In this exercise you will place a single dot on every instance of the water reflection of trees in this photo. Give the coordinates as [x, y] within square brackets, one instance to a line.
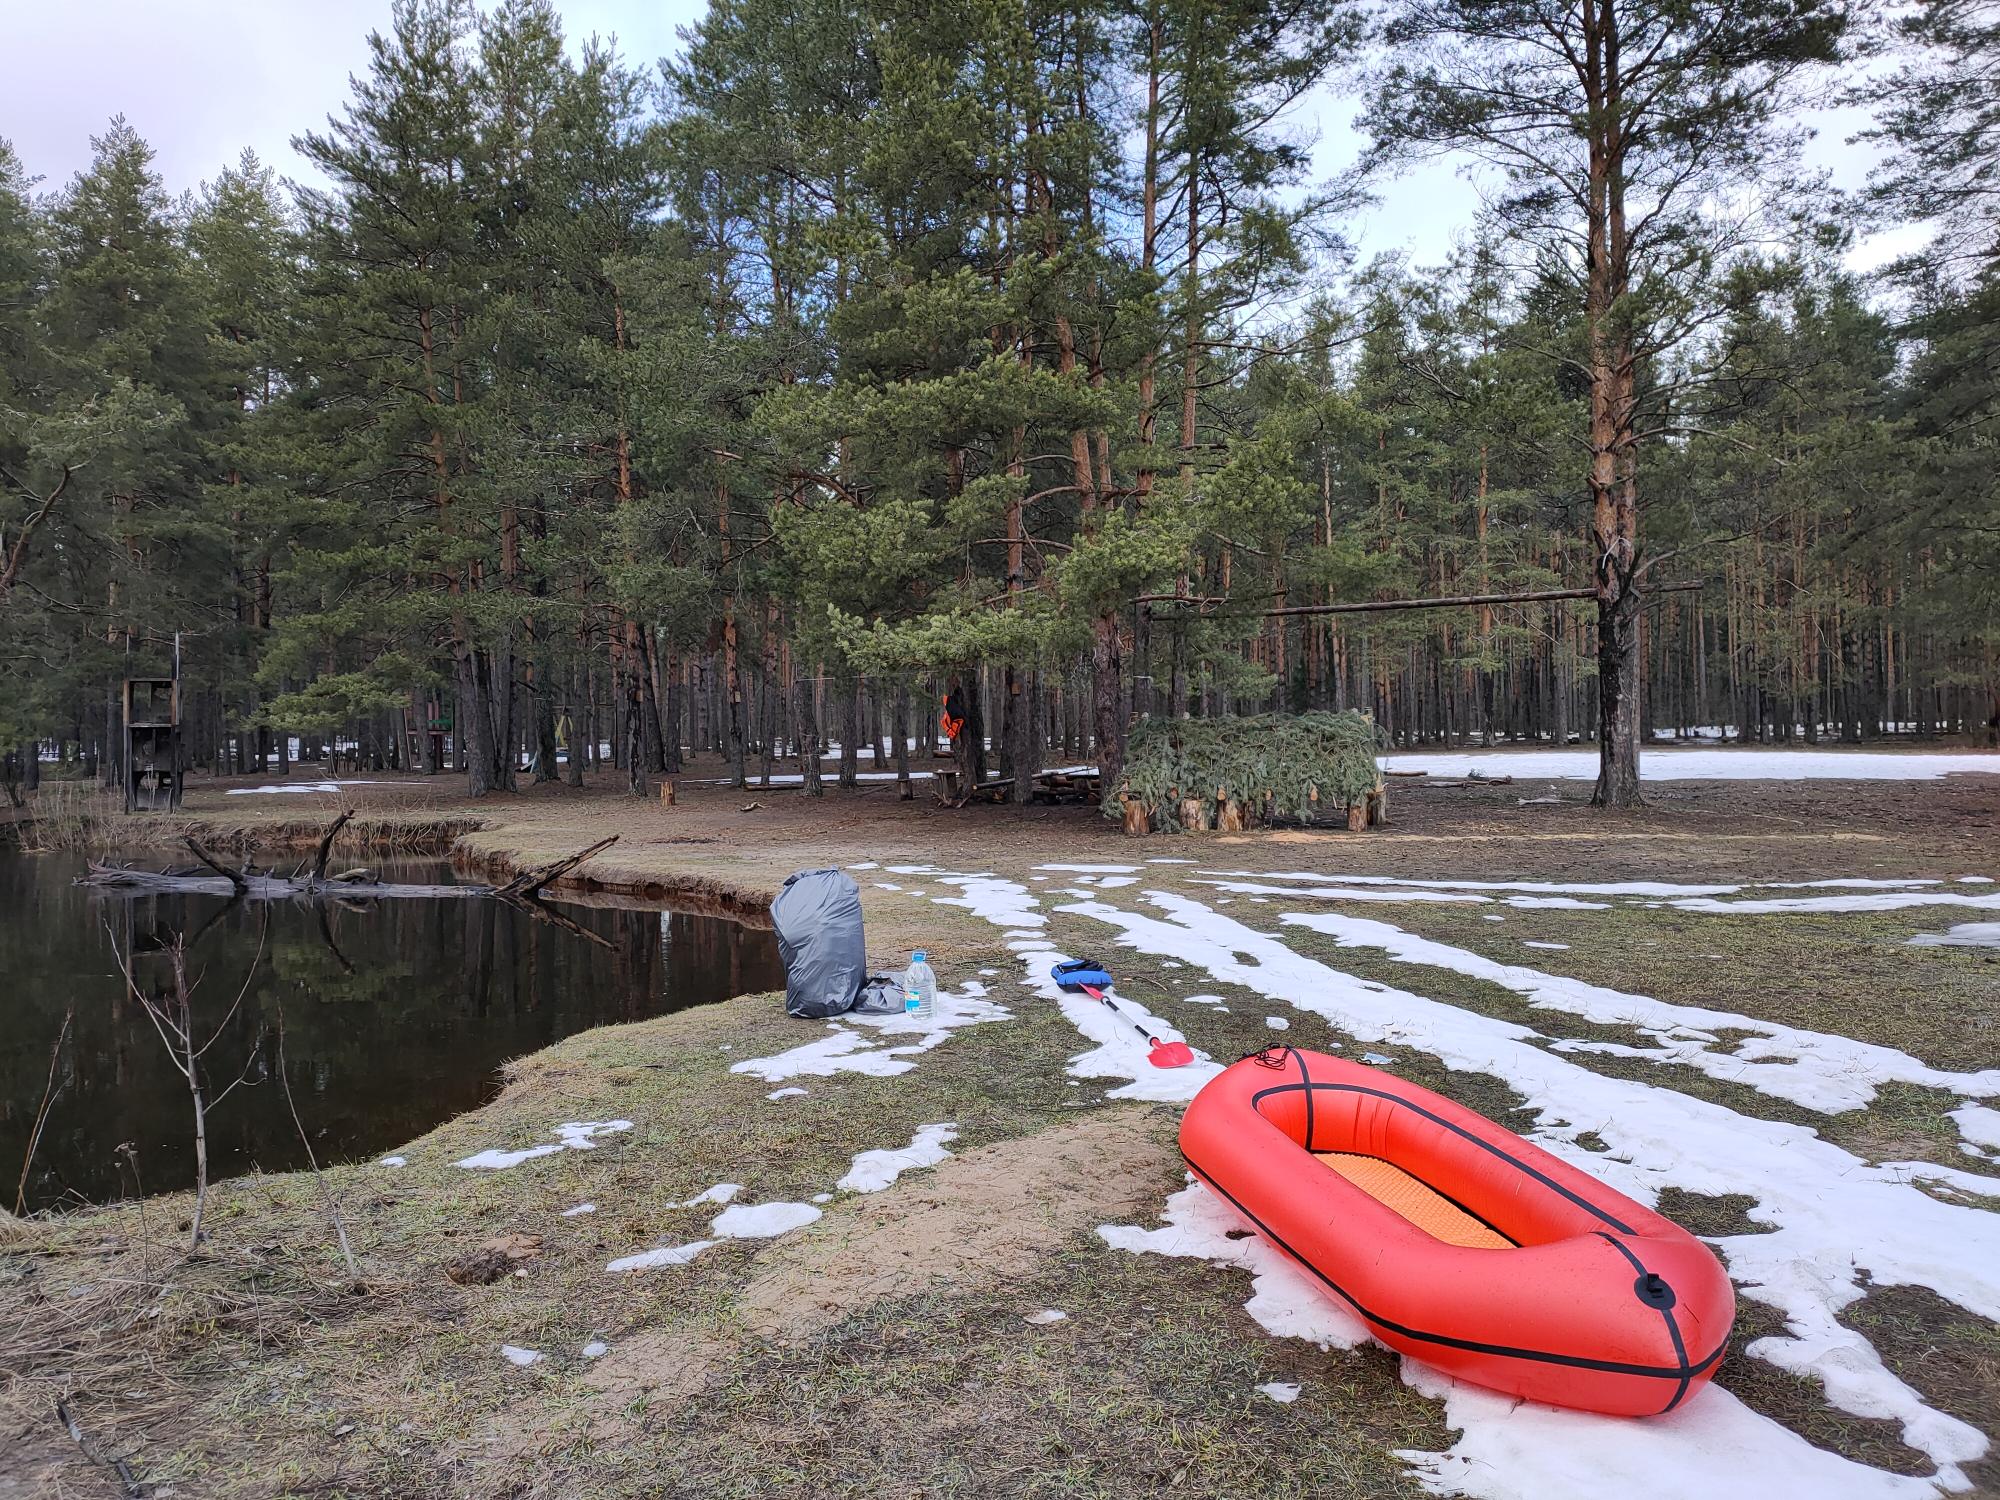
[397, 1016]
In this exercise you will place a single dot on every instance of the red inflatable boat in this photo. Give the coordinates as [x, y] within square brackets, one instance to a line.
[1458, 1242]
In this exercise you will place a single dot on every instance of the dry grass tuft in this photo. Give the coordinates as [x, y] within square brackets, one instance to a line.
[65, 815]
[116, 1327]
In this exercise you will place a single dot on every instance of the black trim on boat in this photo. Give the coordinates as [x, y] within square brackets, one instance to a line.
[1654, 1291]
[1682, 1373]
[1514, 1161]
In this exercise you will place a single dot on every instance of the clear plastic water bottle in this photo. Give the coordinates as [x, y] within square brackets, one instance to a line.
[919, 988]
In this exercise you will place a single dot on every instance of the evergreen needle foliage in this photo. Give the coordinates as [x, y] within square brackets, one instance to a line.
[1291, 767]
[870, 352]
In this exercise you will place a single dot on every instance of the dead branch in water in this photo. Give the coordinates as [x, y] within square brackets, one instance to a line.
[326, 846]
[528, 882]
[234, 877]
[256, 887]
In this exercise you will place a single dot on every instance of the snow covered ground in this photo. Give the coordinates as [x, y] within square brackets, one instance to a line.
[283, 787]
[846, 1050]
[1831, 1224]
[1702, 765]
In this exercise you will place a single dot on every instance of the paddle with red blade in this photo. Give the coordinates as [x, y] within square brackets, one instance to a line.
[1093, 979]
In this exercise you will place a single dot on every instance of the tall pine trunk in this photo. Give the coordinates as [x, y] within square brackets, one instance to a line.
[1614, 500]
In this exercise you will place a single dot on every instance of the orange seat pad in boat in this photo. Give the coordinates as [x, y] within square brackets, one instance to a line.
[1425, 1207]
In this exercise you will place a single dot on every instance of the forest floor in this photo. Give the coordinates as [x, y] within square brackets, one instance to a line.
[843, 1334]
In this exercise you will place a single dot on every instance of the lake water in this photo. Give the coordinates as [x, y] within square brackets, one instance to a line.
[396, 1016]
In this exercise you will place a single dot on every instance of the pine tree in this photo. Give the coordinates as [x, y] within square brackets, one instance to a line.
[1616, 128]
[125, 380]
[241, 241]
[403, 563]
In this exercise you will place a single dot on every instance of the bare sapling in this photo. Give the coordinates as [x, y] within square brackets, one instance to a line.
[172, 1013]
[49, 1091]
[326, 1193]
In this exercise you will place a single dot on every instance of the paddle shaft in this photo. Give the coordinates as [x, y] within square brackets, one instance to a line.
[1097, 994]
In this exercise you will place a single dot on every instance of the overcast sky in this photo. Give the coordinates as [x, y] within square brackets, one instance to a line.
[202, 79]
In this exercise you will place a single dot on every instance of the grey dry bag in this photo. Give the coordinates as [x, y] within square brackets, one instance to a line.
[818, 917]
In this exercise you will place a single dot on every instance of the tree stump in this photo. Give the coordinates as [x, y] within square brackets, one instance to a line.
[1138, 819]
[1357, 816]
[1194, 815]
[1378, 806]
[666, 794]
[1229, 812]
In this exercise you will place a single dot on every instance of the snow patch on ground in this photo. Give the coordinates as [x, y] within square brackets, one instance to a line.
[1819, 1070]
[1964, 935]
[1827, 1210]
[873, 1171]
[1277, 1023]
[1713, 1446]
[795, 778]
[574, 1135]
[1256, 889]
[740, 1221]
[1979, 1125]
[666, 1255]
[1284, 1298]
[791, 1093]
[1701, 765]
[762, 1221]
[579, 1210]
[1045, 1317]
[844, 1050]
[1284, 1392]
[308, 786]
[1870, 901]
[514, 1355]
[1119, 1051]
[1538, 887]
[393, 1161]
[722, 1192]
[1846, 883]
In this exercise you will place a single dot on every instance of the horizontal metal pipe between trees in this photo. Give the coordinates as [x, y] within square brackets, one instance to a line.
[1374, 606]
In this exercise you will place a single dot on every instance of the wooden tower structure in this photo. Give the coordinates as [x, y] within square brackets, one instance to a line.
[152, 744]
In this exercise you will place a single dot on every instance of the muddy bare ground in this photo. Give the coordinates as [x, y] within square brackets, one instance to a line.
[717, 839]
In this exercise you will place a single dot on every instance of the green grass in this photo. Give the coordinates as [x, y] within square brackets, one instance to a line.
[268, 1371]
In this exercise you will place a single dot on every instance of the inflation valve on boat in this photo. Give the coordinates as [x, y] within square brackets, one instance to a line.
[1654, 1291]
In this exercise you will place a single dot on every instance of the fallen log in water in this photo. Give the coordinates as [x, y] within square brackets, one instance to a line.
[349, 885]
[258, 887]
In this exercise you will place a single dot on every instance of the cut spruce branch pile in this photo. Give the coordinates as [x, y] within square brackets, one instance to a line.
[1190, 775]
